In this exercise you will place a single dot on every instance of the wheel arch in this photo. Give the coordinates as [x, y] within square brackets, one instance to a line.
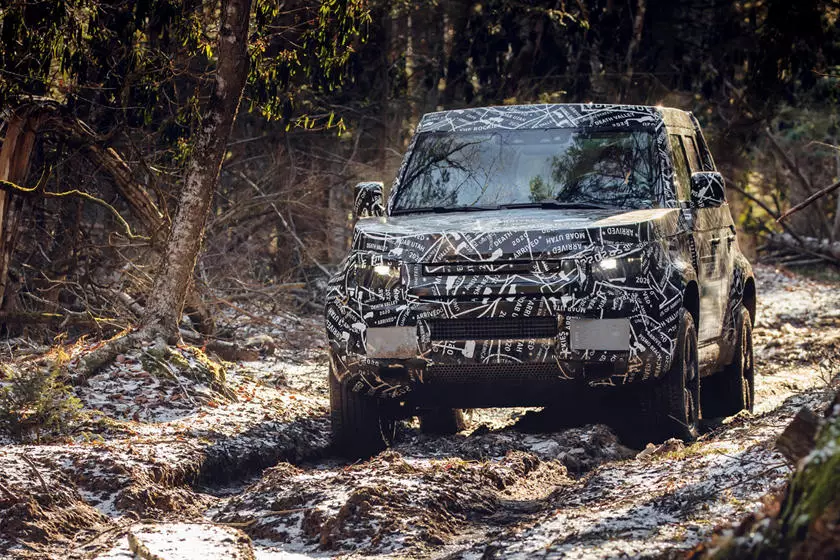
[749, 298]
[691, 301]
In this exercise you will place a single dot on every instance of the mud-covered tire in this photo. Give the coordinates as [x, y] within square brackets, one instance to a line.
[360, 426]
[670, 406]
[732, 390]
[442, 421]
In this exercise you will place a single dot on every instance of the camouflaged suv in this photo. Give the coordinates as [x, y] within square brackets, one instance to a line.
[530, 254]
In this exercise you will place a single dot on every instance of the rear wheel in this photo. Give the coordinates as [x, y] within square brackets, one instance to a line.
[360, 425]
[671, 405]
[733, 389]
[442, 421]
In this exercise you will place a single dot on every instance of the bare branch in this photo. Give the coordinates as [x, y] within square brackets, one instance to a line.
[819, 194]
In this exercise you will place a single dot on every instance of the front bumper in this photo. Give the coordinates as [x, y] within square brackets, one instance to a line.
[501, 371]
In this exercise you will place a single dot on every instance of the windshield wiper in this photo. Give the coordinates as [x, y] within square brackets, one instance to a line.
[540, 204]
[557, 204]
[443, 209]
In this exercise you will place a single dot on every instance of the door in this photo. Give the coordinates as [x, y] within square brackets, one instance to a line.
[725, 238]
[707, 240]
[721, 232]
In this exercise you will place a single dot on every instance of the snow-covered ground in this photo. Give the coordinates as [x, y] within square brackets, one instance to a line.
[167, 463]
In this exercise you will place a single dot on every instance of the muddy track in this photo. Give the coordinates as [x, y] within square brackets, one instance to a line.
[512, 485]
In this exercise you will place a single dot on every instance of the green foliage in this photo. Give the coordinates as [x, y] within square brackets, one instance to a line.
[303, 51]
[147, 64]
[35, 403]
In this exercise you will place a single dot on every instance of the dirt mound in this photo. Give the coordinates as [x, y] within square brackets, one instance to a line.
[387, 504]
[578, 449]
[40, 506]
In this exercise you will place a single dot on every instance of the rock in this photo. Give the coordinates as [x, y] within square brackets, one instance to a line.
[260, 341]
[188, 541]
[670, 446]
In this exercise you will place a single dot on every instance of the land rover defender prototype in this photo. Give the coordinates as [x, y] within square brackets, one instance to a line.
[530, 254]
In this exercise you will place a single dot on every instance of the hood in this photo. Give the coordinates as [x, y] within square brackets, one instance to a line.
[518, 234]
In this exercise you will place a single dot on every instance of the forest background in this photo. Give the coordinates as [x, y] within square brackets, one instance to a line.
[108, 102]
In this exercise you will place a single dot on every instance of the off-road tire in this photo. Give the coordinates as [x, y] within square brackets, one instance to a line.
[442, 421]
[733, 389]
[670, 406]
[360, 425]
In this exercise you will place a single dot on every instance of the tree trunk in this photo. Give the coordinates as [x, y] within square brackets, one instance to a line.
[166, 300]
[635, 41]
[14, 165]
[456, 52]
[836, 231]
[424, 50]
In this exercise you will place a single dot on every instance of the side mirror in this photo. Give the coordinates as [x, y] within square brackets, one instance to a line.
[707, 189]
[368, 199]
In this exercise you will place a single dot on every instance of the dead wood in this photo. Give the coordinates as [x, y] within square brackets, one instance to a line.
[79, 135]
[799, 436]
[9, 494]
[101, 356]
[821, 248]
[763, 206]
[298, 241]
[226, 350]
[14, 165]
[63, 319]
[800, 176]
[32, 465]
[819, 194]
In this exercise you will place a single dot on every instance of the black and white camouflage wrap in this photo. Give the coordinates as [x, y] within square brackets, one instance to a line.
[524, 263]
[368, 199]
[707, 189]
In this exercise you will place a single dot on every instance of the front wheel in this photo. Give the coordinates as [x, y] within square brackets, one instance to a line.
[671, 405]
[360, 426]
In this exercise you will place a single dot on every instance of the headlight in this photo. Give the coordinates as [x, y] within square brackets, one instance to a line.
[376, 278]
[608, 264]
[389, 270]
[623, 270]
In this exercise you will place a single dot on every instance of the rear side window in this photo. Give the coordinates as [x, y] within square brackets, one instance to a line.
[681, 174]
[692, 153]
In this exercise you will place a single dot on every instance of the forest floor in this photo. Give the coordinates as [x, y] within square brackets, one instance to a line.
[165, 465]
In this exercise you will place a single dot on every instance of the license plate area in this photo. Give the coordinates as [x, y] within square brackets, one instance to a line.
[599, 334]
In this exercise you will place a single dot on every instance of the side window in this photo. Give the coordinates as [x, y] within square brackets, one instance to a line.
[691, 151]
[681, 174]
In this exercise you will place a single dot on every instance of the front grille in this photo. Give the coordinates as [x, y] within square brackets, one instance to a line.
[513, 328]
[478, 373]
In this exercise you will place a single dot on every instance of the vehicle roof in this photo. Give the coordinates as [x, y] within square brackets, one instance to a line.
[541, 116]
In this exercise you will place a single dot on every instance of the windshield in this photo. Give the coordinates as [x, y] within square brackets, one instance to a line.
[498, 168]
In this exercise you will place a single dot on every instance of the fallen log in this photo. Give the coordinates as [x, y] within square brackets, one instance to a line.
[80, 320]
[821, 248]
